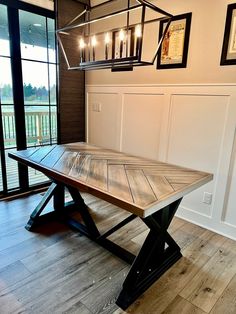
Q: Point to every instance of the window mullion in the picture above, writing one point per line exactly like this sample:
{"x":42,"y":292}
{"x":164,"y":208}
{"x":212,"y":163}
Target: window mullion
{"x":49,"y":94}
{"x":3,"y":159}
{"x":18,"y":94}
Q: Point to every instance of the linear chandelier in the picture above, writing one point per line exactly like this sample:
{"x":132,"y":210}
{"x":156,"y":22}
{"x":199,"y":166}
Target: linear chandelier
{"x":124,"y":37}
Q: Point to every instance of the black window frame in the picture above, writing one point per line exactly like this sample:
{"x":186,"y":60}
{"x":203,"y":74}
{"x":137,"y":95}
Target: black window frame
{"x":13,"y":7}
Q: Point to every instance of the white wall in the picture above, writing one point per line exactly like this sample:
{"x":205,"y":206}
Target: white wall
{"x":189,"y":125}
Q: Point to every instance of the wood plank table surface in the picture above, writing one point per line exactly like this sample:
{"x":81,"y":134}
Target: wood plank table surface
{"x":148,"y":189}
{"x":140,"y":185}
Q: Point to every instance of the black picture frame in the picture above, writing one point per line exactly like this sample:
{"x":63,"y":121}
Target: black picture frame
{"x":228,"y":54}
{"x":178,"y":30}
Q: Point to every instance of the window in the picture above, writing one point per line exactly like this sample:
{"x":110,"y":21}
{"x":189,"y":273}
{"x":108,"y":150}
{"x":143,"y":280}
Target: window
{"x":27,"y":88}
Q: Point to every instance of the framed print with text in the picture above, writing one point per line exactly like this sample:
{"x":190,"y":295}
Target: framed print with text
{"x":228,"y":55}
{"x":174,"y":48}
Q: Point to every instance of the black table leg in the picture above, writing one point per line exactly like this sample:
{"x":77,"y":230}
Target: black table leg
{"x":60,"y":208}
{"x":34,"y":217}
{"x":158,"y":253}
{"x":83,"y":210}
{"x":59,"y":198}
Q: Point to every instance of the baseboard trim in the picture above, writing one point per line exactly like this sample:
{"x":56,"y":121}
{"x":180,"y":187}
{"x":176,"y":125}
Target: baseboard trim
{"x":209,"y":224}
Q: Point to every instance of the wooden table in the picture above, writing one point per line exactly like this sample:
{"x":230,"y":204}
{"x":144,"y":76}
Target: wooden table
{"x":148,"y":189}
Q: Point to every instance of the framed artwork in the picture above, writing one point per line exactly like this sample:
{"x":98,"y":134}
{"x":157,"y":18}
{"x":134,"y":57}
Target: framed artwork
{"x":174,"y":48}
{"x":228,"y":55}
{"x":123,"y":43}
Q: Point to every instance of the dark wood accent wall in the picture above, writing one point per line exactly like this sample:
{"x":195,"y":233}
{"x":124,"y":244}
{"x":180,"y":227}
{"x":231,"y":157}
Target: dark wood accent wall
{"x":71,"y":83}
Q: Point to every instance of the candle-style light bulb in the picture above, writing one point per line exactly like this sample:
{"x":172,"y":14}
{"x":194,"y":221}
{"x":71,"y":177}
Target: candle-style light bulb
{"x":81,"y":43}
{"x":82,"y":46}
{"x":107,"y":38}
{"x":107,"y":41}
{"x":138,"y":31}
{"x":138,"y":35}
{"x":122,"y":37}
{"x":94,"y":43}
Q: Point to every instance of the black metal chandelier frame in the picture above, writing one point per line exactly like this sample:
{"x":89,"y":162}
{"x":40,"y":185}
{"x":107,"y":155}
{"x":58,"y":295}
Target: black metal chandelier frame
{"x":115,"y":64}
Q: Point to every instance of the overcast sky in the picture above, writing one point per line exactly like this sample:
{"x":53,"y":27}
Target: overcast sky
{"x":34,"y":73}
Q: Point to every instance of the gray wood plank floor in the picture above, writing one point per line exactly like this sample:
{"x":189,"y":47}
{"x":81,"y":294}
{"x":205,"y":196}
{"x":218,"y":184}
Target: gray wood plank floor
{"x":55,"y":270}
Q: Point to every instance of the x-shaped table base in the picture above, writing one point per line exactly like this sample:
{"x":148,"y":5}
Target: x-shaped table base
{"x":158,"y":253}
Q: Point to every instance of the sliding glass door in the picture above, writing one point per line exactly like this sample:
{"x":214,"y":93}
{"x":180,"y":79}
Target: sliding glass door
{"x":27,"y":89}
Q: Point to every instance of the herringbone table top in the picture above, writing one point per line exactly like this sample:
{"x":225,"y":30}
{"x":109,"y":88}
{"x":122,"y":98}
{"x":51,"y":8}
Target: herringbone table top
{"x":139,"y":185}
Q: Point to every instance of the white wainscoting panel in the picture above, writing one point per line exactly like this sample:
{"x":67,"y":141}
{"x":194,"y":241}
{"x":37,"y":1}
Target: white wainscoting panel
{"x":195,"y":137}
{"x":142,"y":117}
{"x":189,"y":125}
{"x":103,"y":125}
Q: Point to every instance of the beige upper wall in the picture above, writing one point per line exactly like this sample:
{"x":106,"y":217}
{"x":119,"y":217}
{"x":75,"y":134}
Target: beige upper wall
{"x":47,"y":4}
{"x":206,"y":38}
